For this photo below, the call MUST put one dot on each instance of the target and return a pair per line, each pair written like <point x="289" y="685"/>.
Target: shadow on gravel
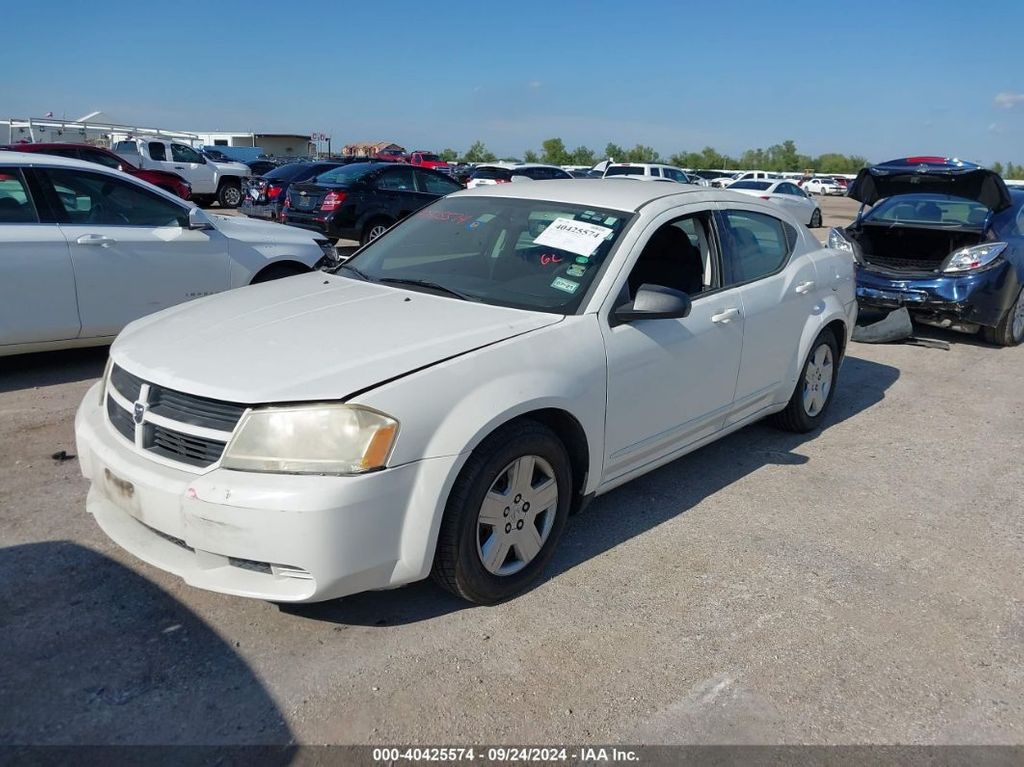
<point x="24" y="371"/>
<point x="94" y="654"/>
<point x="668" y="492"/>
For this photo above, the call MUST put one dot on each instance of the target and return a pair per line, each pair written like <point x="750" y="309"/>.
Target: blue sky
<point x="882" y="79"/>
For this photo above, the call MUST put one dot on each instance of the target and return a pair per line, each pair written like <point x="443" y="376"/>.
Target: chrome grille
<point x="180" y="427"/>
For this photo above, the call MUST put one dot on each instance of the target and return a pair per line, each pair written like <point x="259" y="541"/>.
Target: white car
<point x="823" y="186"/>
<point x="84" y="250"/>
<point x="489" y="174"/>
<point x="647" y="170"/>
<point x="784" y="193"/>
<point x="443" y="401"/>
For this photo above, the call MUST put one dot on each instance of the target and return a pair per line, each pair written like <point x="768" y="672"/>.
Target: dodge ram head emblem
<point x="139" y="412"/>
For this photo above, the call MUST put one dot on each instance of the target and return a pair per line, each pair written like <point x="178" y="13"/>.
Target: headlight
<point x="837" y="241"/>
<point x="973" y="257"/>
<point x="314" y="439"/>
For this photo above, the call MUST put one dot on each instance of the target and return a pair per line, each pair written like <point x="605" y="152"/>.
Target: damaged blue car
<point x="943" y="238"/>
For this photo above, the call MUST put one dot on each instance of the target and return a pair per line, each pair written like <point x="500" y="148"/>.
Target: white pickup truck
<point x="220" y="181"/>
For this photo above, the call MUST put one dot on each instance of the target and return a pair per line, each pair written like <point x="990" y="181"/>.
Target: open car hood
<point x="935" y="175"/>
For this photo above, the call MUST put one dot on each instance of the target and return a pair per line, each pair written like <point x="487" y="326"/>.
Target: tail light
<point x="765" y="197"/>
<point x="501" y="181"/>
<point x="273" y="192"/>
<point x="332" y="201"/>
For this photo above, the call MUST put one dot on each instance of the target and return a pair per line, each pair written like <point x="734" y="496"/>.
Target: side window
<point x="182" y="153"/>
<point x="755" y="245"/>
<point x="678" y="256"/>
<point x="656" y="172"/>
<point x="399" y="179"/>
<point x="15" y="204"/>
<point x="96" y="198"/>
<point x="434" y="184"/>
<point x="675" y="175"/>
<point x="157" y="151"/>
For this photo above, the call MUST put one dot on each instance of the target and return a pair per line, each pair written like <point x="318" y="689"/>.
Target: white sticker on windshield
<point x="574" y="236"/>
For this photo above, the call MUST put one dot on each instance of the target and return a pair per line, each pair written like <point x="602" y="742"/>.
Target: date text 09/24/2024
<point x="503" y="754"/>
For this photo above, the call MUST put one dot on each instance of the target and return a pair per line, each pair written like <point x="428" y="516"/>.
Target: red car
<point x="424" y="159"/>
<point x="169" y="182"/>
<point x="391" y="155"/>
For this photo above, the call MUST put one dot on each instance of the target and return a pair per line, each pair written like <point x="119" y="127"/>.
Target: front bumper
<point x="981" y="298"/>
<point x="284" y="538"/>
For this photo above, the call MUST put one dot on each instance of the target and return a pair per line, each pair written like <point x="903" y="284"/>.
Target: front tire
<point x="815" y="219"/>
<point x="1010" y="330"/>
<point x="504" y="515"/>
<point x="230" y="194"/>
<point x="814" y="388"/>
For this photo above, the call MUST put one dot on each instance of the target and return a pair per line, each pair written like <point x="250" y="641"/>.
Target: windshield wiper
<point x="355" y="271"/>
<point x="426" y="284"/>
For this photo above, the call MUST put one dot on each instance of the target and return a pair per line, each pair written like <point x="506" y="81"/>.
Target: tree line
<point x="782" y="157"/>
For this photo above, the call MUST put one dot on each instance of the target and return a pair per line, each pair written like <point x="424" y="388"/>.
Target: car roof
<point x="601" y="193"/>
<point x="39" y="158"/>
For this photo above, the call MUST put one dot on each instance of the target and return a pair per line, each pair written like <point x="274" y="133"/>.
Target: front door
<point x="131" y="249"/>
<point x="671" y="381"/>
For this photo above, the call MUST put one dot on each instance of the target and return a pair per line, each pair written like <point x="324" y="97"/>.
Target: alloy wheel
<point x="1017" y="326"/>
<point x="232" y="196"/>
<point x="517" y="515"/>
<point x="375" y="231"/>
<point x="818" y="380"/>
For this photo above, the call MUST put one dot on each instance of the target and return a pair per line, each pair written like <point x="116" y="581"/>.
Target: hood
<point x="930" y="175"/>
<point x="313" y="337"/>
<point x="256" y="231"/>
<point x="232" y="168"/>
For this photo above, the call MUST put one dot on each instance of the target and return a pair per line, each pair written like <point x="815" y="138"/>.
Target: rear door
<point x="37" y="281"/>
<point x="779" y="292"/>
<point x="397" y="190"/>
<point x="131" y="249"/>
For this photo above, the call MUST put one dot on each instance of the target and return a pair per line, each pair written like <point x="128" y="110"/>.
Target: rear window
<point x="759" y="185"/>
<point x="494" y="174"/>
<point x="345" y="174"/>
<point x="430" y="157"/>
<point x="929" y="210"/>
<point x="291" y="171"/>
<point x="625" y="170"/>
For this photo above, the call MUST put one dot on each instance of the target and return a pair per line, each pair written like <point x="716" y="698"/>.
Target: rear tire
<point x="486" y="563"/>
<point x="229" y="195"/>
<point x="814" y="388"/>
<point x="374" y="228"/>
<point x="815" y="219"/>
<point x="1010" y="330"/>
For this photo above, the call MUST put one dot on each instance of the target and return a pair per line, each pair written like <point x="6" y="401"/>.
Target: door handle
<point x="179" y="167"/>
<point x="95" y="239"/>
<point x="726" y="316"/>
<point x="805" y="287"/>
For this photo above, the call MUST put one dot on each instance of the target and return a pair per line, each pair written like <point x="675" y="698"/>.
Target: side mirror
<point x="198" y="220"/>
<point x="654" y="302"/>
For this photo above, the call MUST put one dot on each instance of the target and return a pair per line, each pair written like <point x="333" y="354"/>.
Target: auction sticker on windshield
<point x="574" y="236"/>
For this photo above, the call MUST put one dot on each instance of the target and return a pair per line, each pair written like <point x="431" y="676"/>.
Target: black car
<point x="944" y="239"/>
<point x="359" y="201"/>
<point x="261" y="166"/>
<point x="264" y="196"/>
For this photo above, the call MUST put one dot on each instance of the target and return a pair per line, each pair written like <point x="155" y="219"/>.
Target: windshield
<point x="751" y="185"/>
<point x="929" y="210"/>
<point x="527" y="254"/>
<point x="345" y="174"/>
<point x="427" y="157"/>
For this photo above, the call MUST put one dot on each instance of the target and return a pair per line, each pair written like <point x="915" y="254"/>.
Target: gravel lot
<point x="861" y="585"/>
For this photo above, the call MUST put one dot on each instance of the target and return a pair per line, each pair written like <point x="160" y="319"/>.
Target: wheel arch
<point x="285" y="264"/>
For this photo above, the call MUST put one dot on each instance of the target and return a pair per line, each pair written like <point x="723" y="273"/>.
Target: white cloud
<point x="1006" y="100"/>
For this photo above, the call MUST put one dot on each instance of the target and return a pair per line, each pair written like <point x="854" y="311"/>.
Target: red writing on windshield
<point x="446" y="216"/>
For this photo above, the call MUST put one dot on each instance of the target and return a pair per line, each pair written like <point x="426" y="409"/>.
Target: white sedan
<point x="84" y="250"/>
<point x="443" y="401"/>
<point x="785" y="194"/>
